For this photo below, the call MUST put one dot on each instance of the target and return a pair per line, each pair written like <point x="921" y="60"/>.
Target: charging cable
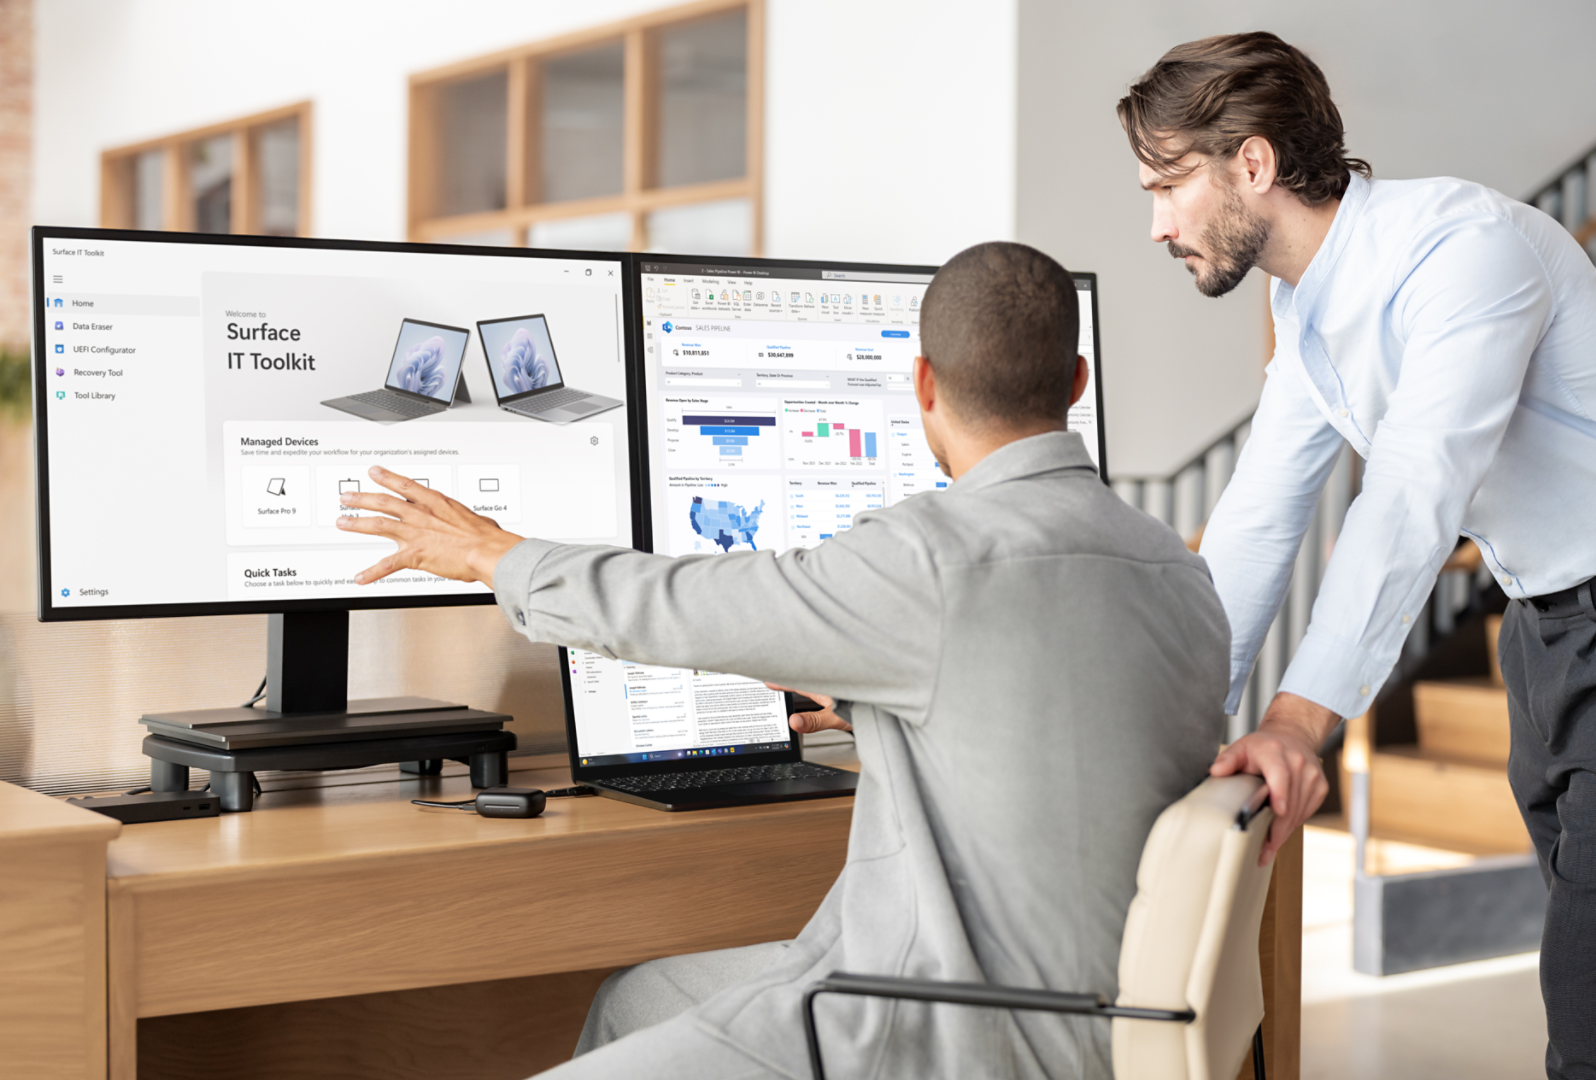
<point x="510" y="802"/>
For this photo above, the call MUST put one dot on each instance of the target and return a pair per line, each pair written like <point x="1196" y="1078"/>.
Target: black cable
<point x="260" y="692"/>
<point x="469" y="804"/>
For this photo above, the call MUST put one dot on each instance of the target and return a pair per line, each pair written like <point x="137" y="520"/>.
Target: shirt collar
<point x="1323" y="262"/>
<point x="1029" y="457"/>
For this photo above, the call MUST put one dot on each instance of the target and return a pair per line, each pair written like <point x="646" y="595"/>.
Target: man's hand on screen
<point x="1285" y="752"/>
<point x="807" y="723"/>
<point x="435" y="534"/>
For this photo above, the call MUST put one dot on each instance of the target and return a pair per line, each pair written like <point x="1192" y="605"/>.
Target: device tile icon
<point x="488" y="483"/>
<point x="349" y="487"/>
<point x="274" y="486"/>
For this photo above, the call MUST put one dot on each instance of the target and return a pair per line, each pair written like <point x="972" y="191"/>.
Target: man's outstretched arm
<point x="856" y="618"/>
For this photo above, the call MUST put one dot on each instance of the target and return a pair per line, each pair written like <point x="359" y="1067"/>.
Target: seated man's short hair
<point x="1001" y="328"/>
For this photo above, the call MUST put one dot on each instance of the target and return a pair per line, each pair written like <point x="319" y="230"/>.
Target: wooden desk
<point x="351" y="891"/>
<point x="338" y="931"/>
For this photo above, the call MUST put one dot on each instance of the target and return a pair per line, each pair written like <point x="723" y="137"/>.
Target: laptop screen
<point x="426" y="359"/>
<point x="520" y="355"/>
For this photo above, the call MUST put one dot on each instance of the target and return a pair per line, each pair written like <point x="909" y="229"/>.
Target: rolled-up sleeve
<point x="857" y="617"/>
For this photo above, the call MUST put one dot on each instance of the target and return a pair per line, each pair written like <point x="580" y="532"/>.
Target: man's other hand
<point x="435" y="534"/>
<point x="807" y="723"/>
<point x="1285" y="752"/>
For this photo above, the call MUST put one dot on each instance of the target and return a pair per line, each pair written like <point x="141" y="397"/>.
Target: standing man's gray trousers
<point x="1548" y="654"/>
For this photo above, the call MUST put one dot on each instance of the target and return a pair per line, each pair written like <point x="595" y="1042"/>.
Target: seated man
<point x="1034" y="670"/>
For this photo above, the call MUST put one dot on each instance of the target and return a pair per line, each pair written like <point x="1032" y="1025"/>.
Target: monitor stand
<point x="310" y="723"/>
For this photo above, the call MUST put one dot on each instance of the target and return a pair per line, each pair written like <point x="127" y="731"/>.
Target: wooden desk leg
<point x="1280" y="956"/>
<point x="121" y="986"/>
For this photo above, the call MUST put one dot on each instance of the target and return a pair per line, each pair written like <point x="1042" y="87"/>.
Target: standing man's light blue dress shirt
<point x="1449" y="334"/>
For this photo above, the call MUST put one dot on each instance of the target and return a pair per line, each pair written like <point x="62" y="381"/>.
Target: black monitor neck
<point x="307" y="662"/>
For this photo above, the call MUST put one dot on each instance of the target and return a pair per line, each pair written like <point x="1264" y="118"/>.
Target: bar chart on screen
<point x="838" y="434"/>
<point x="734" y="435"/>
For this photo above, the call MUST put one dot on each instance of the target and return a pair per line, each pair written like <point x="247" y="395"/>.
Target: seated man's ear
<point x="925" y="384"/>
<point x="1082" y="375"/>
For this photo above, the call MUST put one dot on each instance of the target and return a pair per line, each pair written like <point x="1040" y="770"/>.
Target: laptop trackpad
<point x="766" y="789"/>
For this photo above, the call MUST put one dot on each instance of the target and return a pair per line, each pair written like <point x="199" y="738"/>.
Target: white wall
<point x="861" y="116"/>
<point x="1502" y="94"/>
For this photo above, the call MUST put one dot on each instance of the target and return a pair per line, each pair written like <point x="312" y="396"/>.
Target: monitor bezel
<point x="454" y="390"/>
<point x="493" y="380"/>
<point x="40" y="234"/>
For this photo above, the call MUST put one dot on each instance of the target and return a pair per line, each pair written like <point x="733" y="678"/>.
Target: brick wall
<point x="16" y="165"/>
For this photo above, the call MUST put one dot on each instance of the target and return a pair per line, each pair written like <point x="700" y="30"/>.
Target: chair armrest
<point x="963" y="993"/>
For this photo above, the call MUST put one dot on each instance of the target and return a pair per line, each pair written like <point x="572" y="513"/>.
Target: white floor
<point x="1479" y="1021"/>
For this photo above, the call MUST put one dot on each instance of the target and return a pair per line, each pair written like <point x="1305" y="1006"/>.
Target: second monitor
<point x="779" y="405"/>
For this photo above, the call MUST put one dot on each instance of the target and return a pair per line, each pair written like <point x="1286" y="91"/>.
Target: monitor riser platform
<point x="233" y="771"/>
<point x="309" y="723"/>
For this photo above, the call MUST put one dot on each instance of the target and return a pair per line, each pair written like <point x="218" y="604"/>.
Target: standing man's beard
<point x="1234" y="239"/>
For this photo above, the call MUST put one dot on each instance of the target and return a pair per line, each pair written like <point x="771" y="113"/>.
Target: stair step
<point x="1444" y="802"/>
<point x="1462" y="718"/>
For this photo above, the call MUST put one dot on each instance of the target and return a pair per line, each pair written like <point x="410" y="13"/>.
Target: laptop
<point x="526" y="374"/>
<point x="680" y="739"/>
<point x="424" y="376"/>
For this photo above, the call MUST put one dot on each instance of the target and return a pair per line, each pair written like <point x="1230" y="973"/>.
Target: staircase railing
<point x="1568" y="197"/>
<point x="1184" y="499"/>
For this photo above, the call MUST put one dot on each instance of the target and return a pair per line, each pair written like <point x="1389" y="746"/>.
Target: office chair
<point x="1190" y="993"/>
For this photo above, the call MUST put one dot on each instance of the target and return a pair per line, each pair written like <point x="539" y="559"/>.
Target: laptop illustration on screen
<point x="424" y="375"/>
<point x="526" y="374"/>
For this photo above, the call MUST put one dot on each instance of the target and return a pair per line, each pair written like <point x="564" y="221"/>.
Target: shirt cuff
<point x="1337" y="675"/>
<point x="512" y="578"/>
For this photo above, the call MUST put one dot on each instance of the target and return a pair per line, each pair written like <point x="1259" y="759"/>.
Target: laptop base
<point x="843" y="782"/>
<point x="591" y="405"/>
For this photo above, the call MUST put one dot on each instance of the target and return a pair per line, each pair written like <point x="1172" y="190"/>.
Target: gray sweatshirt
<point x="1033" y="670"/>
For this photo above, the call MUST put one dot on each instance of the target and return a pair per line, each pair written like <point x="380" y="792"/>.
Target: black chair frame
<point x="991" y="997"/>
<point x="1003" y="997"/>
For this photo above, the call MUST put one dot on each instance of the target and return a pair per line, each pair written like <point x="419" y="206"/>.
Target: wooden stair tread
<point x="1463" y="718"/>
<point x="1444" y="801"/>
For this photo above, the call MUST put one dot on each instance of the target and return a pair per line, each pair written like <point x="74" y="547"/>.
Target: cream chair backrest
<point x="1191" y="938"/>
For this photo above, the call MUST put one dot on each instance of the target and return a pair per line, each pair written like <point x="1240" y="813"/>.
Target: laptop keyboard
<point x="385" y="399"/>
<point x="546" y="402"/>
<point x="748" y="774"/>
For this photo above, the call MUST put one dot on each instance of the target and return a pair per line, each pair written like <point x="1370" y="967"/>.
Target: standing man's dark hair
<point x="1001" y="326"/>
<point x="1210" y="96"/>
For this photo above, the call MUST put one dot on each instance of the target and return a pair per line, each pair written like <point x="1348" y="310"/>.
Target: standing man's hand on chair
<point x="1285" y="752"/>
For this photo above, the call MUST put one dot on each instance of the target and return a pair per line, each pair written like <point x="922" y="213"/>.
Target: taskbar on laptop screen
<point x="694" y="754"/>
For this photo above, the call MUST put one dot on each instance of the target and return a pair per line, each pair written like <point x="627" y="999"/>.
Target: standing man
<point x="1449" y="334"/>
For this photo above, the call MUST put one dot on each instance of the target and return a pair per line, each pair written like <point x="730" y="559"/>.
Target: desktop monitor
<point x="186" y="463"/>
<point x="778" y="405"/>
